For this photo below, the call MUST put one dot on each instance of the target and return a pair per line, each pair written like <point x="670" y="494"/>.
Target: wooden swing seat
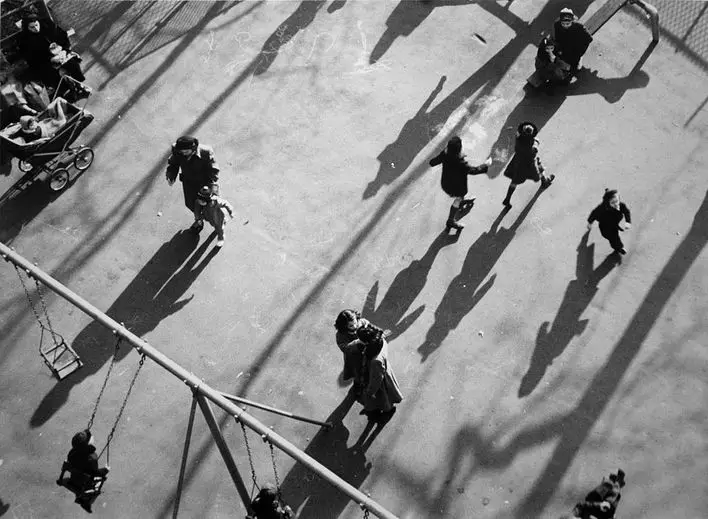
<point x="80" y="483"/>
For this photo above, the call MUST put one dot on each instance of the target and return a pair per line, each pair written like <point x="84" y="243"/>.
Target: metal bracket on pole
<point x="183" y="467"/>
<point x="224" y="450"/>
<point x="273" y="410"/>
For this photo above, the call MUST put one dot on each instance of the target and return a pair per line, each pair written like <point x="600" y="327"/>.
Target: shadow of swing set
<point x="87" y="487"/>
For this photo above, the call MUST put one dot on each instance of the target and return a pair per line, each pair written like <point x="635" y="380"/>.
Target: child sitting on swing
<point x="267" y="505"/>
<point x="84" y="462"/>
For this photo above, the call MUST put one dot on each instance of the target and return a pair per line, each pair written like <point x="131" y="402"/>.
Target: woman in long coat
<point x="525" y="164"/>
<point x="381" y="390"/>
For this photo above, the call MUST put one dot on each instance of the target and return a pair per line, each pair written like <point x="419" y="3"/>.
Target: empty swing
<point x="268" y="503"/>
<point x="59" y="357"/>
<point x="86" y="478"/>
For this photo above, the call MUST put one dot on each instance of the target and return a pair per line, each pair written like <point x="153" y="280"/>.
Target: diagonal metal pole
<point x="224" y="450"/>
<point x="183" y="468"/>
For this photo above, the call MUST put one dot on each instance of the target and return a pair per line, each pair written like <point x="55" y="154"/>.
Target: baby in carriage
<point x="32" y="129"/>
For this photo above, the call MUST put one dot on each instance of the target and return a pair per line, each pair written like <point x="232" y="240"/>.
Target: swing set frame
<point x="203" y="395"/>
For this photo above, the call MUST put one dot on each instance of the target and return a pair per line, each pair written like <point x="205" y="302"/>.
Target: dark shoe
<point x="621" y="250"/>
<point x="547" y="181"/>
<point x="507" y="203"/>
<point x="467" y="204"/>
<point x="450" y="224"/>
<point x="197" y="226"/>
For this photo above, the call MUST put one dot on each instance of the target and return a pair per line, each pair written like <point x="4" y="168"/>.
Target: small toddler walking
<point x="213" y="209"/>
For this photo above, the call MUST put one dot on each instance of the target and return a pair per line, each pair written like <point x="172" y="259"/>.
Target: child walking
<point x="454" y="179"/>
<point x="525" y="164"/>
<point x="213" y="209"/>
<point x="609" y="215"/>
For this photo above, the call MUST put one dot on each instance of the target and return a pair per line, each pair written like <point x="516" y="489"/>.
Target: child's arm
<point x="229" y="208"/>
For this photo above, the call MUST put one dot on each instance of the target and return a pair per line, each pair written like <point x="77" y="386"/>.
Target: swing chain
<point x="366" y="510"/>
<point x="275" y="469"/>
<point x="29" y="297"/>
<point x="250" y="455"/>
<point x="125" y="402"/>
<point x="105" y="382"/>
<point x="46" y="313"/>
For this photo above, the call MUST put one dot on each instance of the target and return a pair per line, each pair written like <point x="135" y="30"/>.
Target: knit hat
<point x="454" y="145"/>
<point x="186" y="143"/>
<point x="528" y="129"/>
<point x="81" y="439"/>
<point x="29" y="18"/>
<point x="567" y="14"/>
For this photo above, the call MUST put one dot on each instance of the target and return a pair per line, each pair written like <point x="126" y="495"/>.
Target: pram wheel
<point x="83" y="159"/>
<point x="24" y="166"/>
<point x="59" y="179"/>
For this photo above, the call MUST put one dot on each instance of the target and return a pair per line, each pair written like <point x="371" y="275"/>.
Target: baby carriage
<point x="49" y="158"/>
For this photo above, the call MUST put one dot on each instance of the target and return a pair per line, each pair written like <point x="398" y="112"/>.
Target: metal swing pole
<point x="224" y="450"/>
<point x="183" y="467"/>
<point x="199" y="387"/>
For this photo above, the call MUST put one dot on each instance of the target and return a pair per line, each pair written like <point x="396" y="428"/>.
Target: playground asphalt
<point x="532" y="364"/>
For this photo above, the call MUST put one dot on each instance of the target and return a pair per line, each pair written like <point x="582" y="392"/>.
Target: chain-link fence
<point x="684" y="25"/>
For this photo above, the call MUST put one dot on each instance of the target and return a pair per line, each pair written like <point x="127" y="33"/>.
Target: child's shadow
<point x="567" y="324"/>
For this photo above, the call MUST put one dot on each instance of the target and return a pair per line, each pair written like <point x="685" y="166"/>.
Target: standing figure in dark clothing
<point x="196" y="167"/>
<point x="84" y="462"/>
<point x="609" y="215"/>
<point x="601" y="503"/>
<point x="525" y="164"/>
<point x="572" y="40"/>
<point x="454" y="179"/>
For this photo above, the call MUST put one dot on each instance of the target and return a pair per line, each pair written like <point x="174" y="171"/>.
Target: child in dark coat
<point x="609" y="215"/>
<point x="601" y="503"/>
<point x="454" y="179"/>
<point x="84" y="462"/>
<point x="525" y="164"/>
<point x="268" y="505"/>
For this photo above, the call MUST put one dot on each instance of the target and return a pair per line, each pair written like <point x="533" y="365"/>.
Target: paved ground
<point x="531" y="363"/>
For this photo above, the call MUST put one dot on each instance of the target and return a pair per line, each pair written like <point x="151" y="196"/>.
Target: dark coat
<point x="195" y="172"/>
<point x="607" y="491"/>
<point x="454" y="172"/>
<point x="84" y="460"/>
<point x="525" y="164"/>
<point x="571" y="43"/>
<point x="34" y="47"/>
<point x="609" y="218"/>
<point x="351" y="348"/>
<point x="381" y="389"/>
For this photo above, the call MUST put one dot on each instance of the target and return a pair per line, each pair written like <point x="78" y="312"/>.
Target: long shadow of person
<point x="538" y="107"/>
<point x="567" y="323"/>
<point x="396" y="157"/>
<point x="482" y="83"/>
<point x="405" y="287"/>
<point x="466" y="290"/>
<point x="403" y="20"/>
<point x="150" y="297"/>
<point x="286" y="31"/>
<point x="307" y="493"/>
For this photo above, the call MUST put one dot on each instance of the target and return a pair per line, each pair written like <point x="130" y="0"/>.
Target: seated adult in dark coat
<point x="572" y="39"/>
<point x="34" y="44"/>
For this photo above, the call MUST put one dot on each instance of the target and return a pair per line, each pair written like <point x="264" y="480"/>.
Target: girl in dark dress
<point x="454" y="179"/>
<point x="347" y="324"/>
<point x="609" y="215"/>
<point x="525" y="164"/>
<point x="83" y="459"/>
